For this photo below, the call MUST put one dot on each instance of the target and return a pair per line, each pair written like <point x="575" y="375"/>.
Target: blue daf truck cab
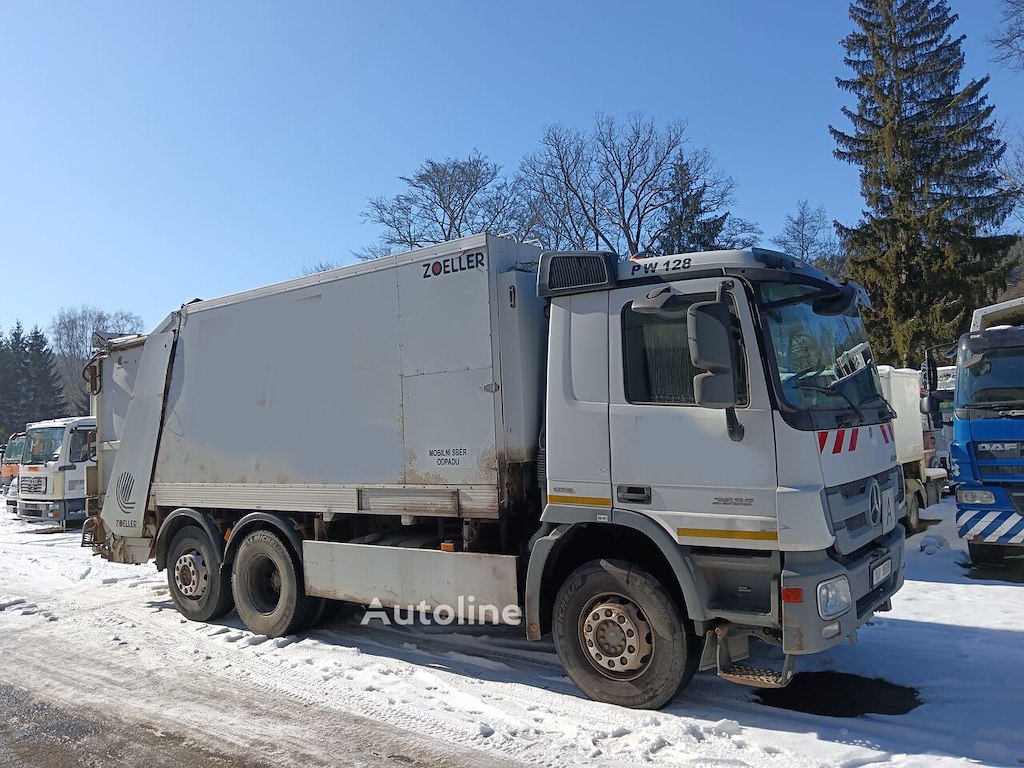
<point x="987" y="454"/>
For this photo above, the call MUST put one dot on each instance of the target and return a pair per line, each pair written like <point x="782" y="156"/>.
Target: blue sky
<point x="151" y="153"/>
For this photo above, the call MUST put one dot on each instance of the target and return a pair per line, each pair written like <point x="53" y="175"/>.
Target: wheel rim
<point x="191" y="576"/>
<point x="617" y="637"/>
<point x="264" y="584"/>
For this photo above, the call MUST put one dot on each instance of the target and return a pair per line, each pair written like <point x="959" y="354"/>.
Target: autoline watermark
<point x="466" y="611"/>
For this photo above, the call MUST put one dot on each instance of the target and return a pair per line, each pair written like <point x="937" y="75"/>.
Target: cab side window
<point x="79" y="449"/>
<point x="656" y="354"/>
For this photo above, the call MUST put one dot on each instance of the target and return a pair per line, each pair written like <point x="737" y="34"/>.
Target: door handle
<point x="633" y="494"/>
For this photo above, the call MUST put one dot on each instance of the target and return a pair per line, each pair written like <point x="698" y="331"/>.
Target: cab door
<point x="672" y="459"/>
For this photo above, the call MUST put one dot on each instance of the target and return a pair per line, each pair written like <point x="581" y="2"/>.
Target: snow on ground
<point x="105" y="637"/>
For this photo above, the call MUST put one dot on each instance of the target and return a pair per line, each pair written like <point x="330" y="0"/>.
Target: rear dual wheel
<point x="269" y="589"/>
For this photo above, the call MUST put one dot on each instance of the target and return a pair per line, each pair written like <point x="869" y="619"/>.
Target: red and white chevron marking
<point x="846" y="440"/>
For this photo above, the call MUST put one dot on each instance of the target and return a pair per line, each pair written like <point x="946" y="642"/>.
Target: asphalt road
<point x="37" y="734"/>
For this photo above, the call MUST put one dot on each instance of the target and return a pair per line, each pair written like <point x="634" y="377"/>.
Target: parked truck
<point x="51" y="480"/>
<point x="655" y="459"/>
<point x="902" y="389"/>
<point x="11" y="459"/>
<point x="988" y="433"/>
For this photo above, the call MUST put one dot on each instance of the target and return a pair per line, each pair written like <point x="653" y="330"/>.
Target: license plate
<point x="881" y="572"/>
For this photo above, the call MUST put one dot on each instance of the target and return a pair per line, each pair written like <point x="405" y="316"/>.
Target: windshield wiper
<point x="831" y="391"/>
<point x="993" y="406"/>
<point x="889" y="410"/>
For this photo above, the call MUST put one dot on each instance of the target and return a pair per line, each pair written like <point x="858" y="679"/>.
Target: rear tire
<point x="199" y="588"/>
<point x="621" y="637"/>
<point x="912" y="521"/>
<point x="268" y="587"/>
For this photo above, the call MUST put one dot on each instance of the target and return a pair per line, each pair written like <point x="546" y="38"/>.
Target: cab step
<point x="758" y="678"/>
<point x="92" y="533"/>
<point x="745" y="674"/>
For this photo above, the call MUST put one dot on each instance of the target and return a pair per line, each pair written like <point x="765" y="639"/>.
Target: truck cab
<point x="988" y="442"/>
<point x="53" y="466"/>
<point x="11" y="460"/>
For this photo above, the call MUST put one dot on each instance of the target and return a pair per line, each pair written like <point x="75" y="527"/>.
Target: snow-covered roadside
<point x="104" y="636"/>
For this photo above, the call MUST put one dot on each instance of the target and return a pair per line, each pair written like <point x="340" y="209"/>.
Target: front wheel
<point x="268" y="587"/>
<point x="199" y="589"/>
<point x="621" y="637"/>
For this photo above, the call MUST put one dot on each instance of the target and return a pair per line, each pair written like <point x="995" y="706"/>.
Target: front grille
<point x="849" y="513"/>
<point x="860" y="487"/>
<point x="32" y="485"/>
<point x="1001" y="469"/>
<point x="855" y="523"/>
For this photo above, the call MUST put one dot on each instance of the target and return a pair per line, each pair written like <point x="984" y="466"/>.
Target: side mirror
<point x="929" y="404"/>
<point x="930" y="376"/>
<point x="709" y="328"/>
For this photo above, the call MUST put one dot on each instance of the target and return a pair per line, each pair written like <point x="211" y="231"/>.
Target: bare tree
<point x="324" y="265"/>
<point x="810" y="235"/>
<point x="447" y="200"/>
<point x="71" y="333"/>
<point x="805" y="233"/>
<point x="1011" y="166"/>
<point x="608" y="189"/>
<point x="1009" y="40"/>
<point x="739" y="233"/>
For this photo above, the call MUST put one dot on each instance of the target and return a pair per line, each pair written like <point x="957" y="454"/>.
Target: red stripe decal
<point x="853" y="439"/>
<point x="885" y="433"/>
<point x="839" y="441"/>
<point x="822" y="439"/>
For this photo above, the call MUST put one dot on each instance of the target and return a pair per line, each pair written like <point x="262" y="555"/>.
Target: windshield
<point x="12" y="454"/>
<point x="824" y="362"/>
<point x="990" y="378"/>
<point x="42" y="445"/>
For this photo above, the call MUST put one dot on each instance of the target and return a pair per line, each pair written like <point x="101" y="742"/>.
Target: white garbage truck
<point x="653" y="459"/>
<point x="924" y="483"/>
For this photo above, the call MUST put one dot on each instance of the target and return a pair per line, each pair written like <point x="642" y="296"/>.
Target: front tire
<point x="621" y="637"/>
<point x="268" y="587"/>
<point x="199" y="589"/>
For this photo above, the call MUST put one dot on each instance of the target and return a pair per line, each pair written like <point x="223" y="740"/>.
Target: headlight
<point x="834" y="597"/>
<point x="975" y="497"/>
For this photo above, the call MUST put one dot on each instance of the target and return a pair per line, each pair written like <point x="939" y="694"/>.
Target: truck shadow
<point x="1010" y="572"/>
<point x="930" y="689"/>
<point x="928" y="674"/>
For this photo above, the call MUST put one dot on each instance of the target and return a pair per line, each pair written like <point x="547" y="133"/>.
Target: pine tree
<point x="13" y="402"/>
<point x="42" y="382"/>
<point x="5" y="423"/>
<point x="928" y="152"/>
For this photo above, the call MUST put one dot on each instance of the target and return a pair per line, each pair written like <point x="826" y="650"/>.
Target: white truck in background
<point x="924" y="483"/>
<point x="51" y="477"/>
<point x="655" y="459"/>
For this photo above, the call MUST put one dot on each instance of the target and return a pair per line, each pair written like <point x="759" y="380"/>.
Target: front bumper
<point x="803" y="629"/>
<point x="990" y="526"/>
<point x="52" y="511"/>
